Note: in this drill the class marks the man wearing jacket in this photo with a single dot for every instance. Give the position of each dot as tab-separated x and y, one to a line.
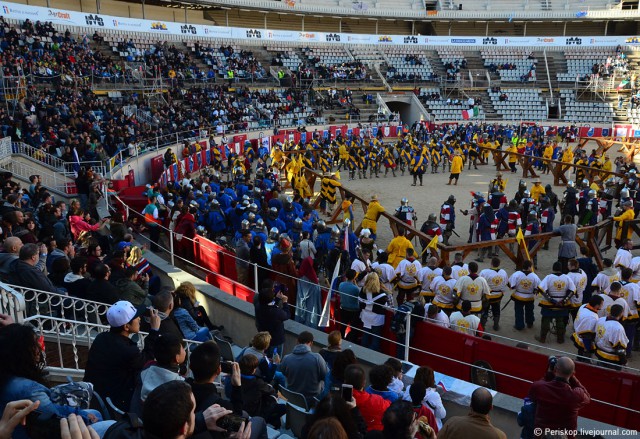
372	407
115	361
559	396
305	370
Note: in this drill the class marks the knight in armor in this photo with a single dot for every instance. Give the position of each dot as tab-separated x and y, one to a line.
273	220
522	187
477	204
486	229
570	200
527	204
590	214
532	228
552	196
430	228
448	218
497	199
406	213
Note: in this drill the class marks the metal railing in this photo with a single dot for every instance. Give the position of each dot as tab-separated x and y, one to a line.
54	181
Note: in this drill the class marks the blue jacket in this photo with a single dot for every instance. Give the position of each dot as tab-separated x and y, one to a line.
188	325
215	221
17	388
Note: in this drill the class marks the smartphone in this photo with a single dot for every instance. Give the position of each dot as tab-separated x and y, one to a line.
347	392
226	367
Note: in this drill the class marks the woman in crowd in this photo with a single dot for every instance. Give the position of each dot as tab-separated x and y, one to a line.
432	398
346	412
79	224
186	293
373	303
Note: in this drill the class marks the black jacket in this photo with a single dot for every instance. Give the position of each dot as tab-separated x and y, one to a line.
114	364
103	291
168	325
271	318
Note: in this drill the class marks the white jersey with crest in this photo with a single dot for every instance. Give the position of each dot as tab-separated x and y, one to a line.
605	278
498	281
426	275
525	285
408	270
457	271
472	290
610	336
580	280
443	289
557	286
586	320
609	302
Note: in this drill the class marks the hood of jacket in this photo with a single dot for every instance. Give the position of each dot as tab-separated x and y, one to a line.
6	259
72	277
155	376
301	349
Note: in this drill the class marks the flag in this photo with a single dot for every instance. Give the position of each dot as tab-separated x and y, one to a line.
326	309
434	243
522	243
346	239
337	175
468	114
581	14
622	84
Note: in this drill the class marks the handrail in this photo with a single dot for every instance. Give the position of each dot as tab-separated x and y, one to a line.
52	161
55	182
12	302
546	64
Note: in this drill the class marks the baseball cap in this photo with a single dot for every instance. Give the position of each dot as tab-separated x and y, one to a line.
123	244
122	312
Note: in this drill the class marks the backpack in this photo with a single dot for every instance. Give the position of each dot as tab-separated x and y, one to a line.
399	321
73	394
129	427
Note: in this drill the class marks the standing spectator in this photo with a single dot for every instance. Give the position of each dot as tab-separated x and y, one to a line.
559	396
272	311
477	423
304	370
373	304
243	266
309	297
349	307
285	267
258	255
114	360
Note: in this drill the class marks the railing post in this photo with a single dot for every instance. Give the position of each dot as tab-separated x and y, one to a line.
256	287
407	336
173	262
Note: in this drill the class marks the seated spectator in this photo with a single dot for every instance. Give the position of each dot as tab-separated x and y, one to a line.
163	303
335	347
76	282
418	392
346	412
186	293
22	376
115	361
380	377
371	406
401	422
26	273
64	249
304	370
396	382
100	289
168	350
188	325
11	248
134	288
59	270
477	423
78	224
432	399
267	369
258	397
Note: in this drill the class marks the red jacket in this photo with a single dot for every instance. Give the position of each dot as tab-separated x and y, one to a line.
558	402
371	407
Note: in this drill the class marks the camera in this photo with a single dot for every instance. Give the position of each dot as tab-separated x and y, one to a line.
226	367
232	423
553	360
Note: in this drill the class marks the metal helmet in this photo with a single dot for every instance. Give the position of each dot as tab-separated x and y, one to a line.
274	233
245	224
571	183
585	182
194	204
289	199
251	217
451	199
346	222
592	193
253	207
335	230
522	184
404	201
273	212
545	201
257	191
432	217
198	193
321	225
245	197
533	215
201	230
526	194
215	204
245	203
297	224
365	233
260	223
624	193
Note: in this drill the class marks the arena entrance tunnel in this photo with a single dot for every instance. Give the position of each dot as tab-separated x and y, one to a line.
406	107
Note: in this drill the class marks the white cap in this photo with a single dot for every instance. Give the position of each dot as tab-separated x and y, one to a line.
121	313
